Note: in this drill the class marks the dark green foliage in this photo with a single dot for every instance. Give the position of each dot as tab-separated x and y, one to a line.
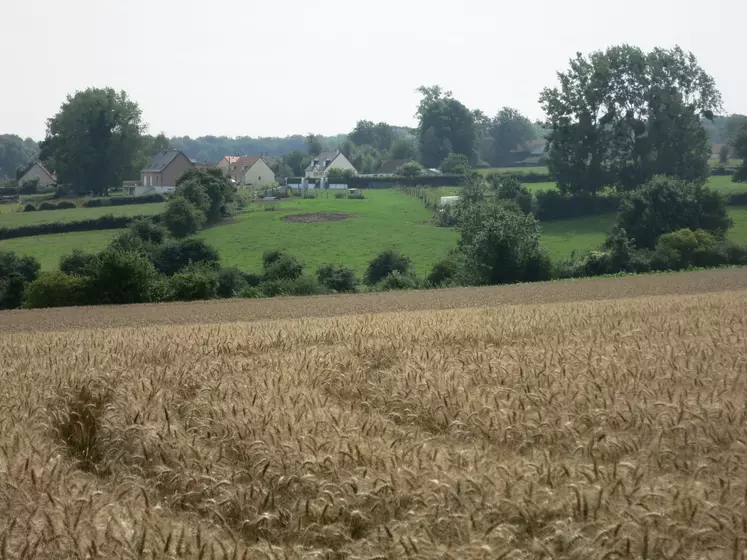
147	231
384	264
130	242
66	205
552	205
379	135
499	246
11	290
10	263
16	153
122	277
455	164
281	266
93	141
739	144
231	282
47	206
445	126
622	116
510	131
253	280
337	278
182	218
302	285
665	205
78	263
685	248
29	208
29	187
123	200
194	283
57	289
173	255
509	188
395	280
410	169
444	271
208	190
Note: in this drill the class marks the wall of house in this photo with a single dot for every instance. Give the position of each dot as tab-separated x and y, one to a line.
224	166
341	162
174	170
259	175
37	173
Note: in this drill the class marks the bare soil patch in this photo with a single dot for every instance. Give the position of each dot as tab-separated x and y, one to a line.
317	217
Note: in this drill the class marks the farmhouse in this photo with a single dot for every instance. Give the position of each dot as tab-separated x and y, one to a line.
251	171
324	162
161	174
37	172
225	164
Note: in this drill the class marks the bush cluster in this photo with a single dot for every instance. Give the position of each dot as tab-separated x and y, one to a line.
101	223
124	200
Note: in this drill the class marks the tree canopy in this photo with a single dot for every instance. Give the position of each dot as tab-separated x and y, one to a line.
510	131
621	116
15	153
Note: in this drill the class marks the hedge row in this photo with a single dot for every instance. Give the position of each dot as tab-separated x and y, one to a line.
104	222
124	200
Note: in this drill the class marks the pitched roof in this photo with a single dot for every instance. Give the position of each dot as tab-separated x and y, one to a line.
321	158
160	161
50	175
247	160
392	165
230	159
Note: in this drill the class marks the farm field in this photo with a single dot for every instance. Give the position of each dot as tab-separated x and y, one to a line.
577	422
16	219
386	218
48	249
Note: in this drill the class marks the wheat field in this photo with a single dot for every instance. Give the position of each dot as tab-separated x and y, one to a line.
589	429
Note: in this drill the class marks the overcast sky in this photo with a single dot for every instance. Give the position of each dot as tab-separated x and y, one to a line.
280	67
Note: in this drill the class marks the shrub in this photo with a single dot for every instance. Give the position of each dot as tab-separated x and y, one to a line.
29	187
397	281
173	255
29	208
253	280
11	291
384	264
47	206
444	271
103	222
182	218
147	231
302	285
208	190
685	248
194	283
665	205
337	278
455	163
78	263
122	277
552	205
309	193
410	169
231	282
339	195
10	263
57	289
282	266
66	204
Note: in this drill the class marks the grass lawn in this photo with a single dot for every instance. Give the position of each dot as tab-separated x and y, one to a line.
580	235
385	219
15	219
738	232
48	249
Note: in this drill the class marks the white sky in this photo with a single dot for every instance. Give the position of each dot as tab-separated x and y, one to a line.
280	67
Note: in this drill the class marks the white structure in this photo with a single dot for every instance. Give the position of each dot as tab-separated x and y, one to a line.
324	162
448	200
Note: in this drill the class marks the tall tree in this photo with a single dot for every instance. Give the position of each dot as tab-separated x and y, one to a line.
739	144
379	135
15	153
314	145
510	131
403	148
621	116
445	126
93	141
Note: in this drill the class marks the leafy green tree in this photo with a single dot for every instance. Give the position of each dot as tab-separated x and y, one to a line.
337	278
510	131
457	164
445	126
182	218
27	267
664	205
15	153
621	116
410	169
174	255
93	141
122	277
379	135
298	162
384	264
723	155
209	190
57	289
740	151
339	176
499	246
280	265
78	263
314	145
403	148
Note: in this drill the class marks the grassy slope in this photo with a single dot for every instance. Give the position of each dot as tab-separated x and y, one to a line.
48	249
15	219
385	219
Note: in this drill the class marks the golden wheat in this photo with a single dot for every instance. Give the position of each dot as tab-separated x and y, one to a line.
585	430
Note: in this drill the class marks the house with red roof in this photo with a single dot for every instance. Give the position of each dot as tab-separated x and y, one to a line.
37	172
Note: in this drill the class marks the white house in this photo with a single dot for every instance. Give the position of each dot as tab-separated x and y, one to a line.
324	162
38	172
251	171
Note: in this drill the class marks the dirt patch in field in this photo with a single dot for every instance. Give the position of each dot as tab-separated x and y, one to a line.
317	217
